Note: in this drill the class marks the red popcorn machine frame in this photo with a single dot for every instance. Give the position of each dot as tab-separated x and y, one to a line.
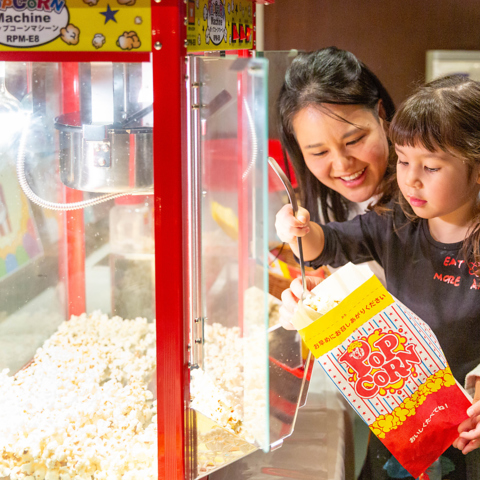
134	182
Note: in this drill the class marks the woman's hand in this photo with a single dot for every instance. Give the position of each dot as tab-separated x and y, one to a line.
469	429
290	227
290	298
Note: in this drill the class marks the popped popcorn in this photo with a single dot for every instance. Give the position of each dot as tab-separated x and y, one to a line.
230	391
81	410
321	304
217	391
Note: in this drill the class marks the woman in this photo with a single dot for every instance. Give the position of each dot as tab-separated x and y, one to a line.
334	113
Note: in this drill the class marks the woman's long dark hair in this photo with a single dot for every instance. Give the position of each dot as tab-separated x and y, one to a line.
327	76
444	115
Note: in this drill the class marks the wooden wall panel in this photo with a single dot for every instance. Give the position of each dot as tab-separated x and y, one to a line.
390	36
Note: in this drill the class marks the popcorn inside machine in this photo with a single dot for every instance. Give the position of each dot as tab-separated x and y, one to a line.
134	305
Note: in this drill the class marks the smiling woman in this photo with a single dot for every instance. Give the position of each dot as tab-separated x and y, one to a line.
333	114
344	147
333	117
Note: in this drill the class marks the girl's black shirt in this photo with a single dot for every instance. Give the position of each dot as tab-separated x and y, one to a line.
429	277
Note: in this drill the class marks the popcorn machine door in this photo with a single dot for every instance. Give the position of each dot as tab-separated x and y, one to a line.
228	254
234	409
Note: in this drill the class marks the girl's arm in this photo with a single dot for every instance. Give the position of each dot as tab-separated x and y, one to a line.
289	228
469	429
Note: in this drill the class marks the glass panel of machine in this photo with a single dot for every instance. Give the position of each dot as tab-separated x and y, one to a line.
290	361
229	387
77	280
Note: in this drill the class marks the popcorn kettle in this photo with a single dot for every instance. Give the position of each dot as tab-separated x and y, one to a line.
106	147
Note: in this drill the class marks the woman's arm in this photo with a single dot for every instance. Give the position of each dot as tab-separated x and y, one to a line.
289	228
358	240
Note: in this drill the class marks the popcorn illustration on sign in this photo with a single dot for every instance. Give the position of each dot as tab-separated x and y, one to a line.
29	23
98	40
126	2
128	40
70	35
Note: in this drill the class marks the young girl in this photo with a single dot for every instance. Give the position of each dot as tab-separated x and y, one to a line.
427	240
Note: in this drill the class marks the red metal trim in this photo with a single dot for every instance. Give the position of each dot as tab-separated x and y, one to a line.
30	56
298	372
243	198
29	77
282	405
73	220
70	87
61	217
169	149
132	160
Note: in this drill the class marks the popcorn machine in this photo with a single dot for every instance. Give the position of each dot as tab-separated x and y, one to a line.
134	313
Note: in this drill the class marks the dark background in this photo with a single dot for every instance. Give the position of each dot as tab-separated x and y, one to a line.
390	36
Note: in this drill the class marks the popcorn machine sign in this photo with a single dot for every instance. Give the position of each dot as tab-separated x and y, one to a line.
215	16
219	25
28	23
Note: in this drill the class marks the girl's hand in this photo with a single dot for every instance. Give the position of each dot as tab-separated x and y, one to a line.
469	429
290	298
290	227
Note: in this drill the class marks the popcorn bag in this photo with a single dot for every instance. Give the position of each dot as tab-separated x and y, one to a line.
386	362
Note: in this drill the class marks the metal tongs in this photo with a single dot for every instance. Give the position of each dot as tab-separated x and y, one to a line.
294	203
301	307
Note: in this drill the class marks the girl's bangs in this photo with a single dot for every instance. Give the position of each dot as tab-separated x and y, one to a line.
422	123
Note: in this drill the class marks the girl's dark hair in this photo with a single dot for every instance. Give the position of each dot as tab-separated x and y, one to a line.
327	76
444	115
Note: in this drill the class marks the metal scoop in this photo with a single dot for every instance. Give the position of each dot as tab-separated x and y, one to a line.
301	309
293	201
